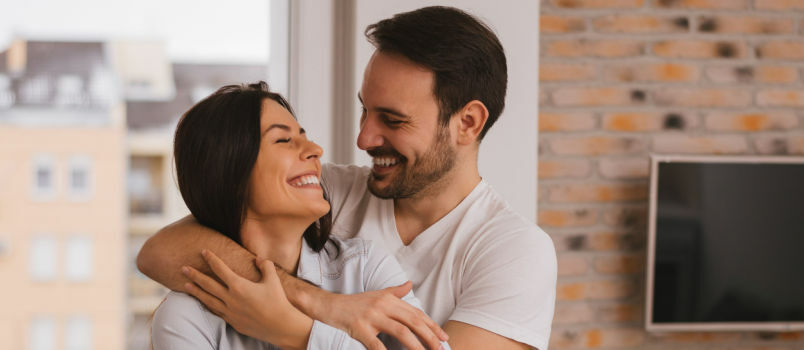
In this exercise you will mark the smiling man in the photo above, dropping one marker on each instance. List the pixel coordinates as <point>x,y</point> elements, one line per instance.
<point>432,89</point>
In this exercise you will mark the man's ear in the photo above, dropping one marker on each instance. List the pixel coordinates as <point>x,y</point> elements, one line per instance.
<point>470,121</point>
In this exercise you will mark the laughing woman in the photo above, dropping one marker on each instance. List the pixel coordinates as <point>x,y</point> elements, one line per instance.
<point>246,169</point>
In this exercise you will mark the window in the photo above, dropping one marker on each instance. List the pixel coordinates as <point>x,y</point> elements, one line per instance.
<point>43,257</point>
<point>42,333</point>
<point>145,189</point>
<point>78,333</point>
<point>44,186</point>
<point>79,258</point>
<point>80,181</point>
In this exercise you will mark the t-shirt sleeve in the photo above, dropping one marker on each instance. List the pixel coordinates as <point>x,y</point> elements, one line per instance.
<point>181,323</point>
<point>508,287</point>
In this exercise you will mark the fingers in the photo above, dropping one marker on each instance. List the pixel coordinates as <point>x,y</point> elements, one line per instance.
<point>370,341</point>
<point>206,283</point>
<point>426,333</point>
<point>212,303</point>
<point>267,269</point>
<point>401,290</point>
<point>219,267</point>
<point>401,333</point>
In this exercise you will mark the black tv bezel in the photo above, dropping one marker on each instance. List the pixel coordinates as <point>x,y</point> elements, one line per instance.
<point>651,326</point>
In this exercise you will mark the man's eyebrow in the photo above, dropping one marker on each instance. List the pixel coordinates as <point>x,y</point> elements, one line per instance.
<point>387,110</point>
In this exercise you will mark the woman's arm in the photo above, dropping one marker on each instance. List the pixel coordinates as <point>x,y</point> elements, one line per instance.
<point>180,244</point>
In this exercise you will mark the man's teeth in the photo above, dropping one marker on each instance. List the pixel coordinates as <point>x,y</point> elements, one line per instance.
<point>306,180</point>
<point>385,161</point>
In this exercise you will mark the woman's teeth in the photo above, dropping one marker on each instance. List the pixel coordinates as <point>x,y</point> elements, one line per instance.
<point>306,180</point>
<point>384,161</point>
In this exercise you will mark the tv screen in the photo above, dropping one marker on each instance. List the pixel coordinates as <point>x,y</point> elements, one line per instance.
<point>726,243</point>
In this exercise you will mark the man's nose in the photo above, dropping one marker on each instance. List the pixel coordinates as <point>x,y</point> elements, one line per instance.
<point>370,135</point>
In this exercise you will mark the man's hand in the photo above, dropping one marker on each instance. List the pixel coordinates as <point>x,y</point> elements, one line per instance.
<point>363,316</point>
<point>260,310</point>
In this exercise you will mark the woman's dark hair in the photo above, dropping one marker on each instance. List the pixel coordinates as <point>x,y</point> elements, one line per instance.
<point>465,56</point>
<point>215,147</point>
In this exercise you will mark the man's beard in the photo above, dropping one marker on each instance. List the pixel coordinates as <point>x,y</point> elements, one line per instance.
<point>410,179</point>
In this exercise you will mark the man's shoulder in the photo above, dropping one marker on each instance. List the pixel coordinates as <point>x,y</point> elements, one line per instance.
<point>335,172</point>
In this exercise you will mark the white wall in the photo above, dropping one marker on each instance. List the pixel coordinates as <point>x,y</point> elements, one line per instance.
<point>508,155</point>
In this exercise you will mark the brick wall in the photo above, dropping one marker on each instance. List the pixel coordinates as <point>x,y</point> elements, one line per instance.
<point>621,79</point>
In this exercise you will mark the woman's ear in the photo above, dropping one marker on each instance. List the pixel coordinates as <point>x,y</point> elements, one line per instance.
<point>470,121</point>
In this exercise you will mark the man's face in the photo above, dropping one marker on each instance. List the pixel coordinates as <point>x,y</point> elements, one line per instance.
<point>399,128</point>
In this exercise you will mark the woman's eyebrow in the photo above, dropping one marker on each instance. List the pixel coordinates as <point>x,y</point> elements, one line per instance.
<point>283,127</point>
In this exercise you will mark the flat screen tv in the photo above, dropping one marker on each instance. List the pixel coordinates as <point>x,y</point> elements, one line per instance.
<point>725,244</point>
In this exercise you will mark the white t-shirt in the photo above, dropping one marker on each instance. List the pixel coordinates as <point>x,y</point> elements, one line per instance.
<point>481,264</point>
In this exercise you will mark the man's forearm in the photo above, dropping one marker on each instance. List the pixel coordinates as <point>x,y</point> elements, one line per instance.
<point>180,244</point>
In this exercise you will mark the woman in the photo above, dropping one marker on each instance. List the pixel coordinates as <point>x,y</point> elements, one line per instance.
<point>246,169</point>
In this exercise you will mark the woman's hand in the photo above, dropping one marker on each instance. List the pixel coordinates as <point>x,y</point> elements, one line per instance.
<point>367,314</point>
<point>260,310</point>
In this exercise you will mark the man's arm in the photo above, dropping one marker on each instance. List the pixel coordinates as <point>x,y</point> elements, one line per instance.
<point>180,244</point>
<point>465,336</point>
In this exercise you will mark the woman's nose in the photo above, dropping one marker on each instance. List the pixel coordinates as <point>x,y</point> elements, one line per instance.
<point>312,150</point>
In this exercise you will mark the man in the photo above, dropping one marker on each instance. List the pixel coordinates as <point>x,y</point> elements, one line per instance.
<point>432,89</point>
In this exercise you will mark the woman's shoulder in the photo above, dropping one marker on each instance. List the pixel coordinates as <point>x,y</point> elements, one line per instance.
<point>180,310</point>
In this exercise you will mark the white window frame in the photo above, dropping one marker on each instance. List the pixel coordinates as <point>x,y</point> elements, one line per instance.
<point>42,333</point>
<point>78,333</point>
<point>48,273</point>
<point>40,193</point>
<point>78,247</point>
<point>85,163</point>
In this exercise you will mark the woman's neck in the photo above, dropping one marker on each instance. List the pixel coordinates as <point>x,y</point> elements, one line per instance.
<point>275,239</point>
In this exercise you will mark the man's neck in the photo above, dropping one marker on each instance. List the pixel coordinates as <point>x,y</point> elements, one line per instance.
<point>414,215</point>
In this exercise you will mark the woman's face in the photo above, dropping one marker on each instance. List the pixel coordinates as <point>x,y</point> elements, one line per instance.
<point>285,179</point>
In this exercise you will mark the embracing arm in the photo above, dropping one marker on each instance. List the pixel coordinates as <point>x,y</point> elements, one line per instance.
<point>180,244</point>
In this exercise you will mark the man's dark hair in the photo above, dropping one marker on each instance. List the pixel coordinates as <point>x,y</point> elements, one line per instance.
<point>215,147</point>
<point>466,57</point>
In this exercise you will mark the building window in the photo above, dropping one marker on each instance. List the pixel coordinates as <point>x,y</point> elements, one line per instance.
<point>44,181</point>
<point>80,177</point>
<point>43,257</point>
<point>79,258</point>
<point>42,333</point>
<point>145,185</point>
<point>78,333</point>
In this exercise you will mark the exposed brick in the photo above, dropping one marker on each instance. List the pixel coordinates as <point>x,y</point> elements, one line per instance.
<point>564,168</point>
<point>620,264</point>
<point>627,217</point>
<point>747,74</point>
<point>567,217</point>
<point>595,96</point>
<point>544,96</point>
<point>640,24</point>
<point>781,98</point>
<point>596,290</point>
<point>567,121</point>
<point>782,336</point>
<point>597,4</point>
<point>702,4</point>
<point>652,72</point>
<point>612,338</point>
<point>549,72</point>
<point>604,48</point>
<point>572,265</point>
<point>573,313</point>
<point>785,50</point>
<point>624,168</point>
<point>691,97</point>
<point>549,24</point>
<point>731,121</point>
<point>597,145</point>
<point>726,144</point>
<point>585,192</point>
<point>615,241</point>
<point>701,337</point>
<point>618,312</point>
<point>745,25</point>
<point>781,145</point>
<point>648,121</point>
<point>700,49</point>
<point>779,5</point>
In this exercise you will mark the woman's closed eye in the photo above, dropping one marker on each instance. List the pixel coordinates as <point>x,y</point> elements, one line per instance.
<point>286,140</point>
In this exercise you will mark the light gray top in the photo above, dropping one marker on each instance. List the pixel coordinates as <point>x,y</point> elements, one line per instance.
<point>182,322</point>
